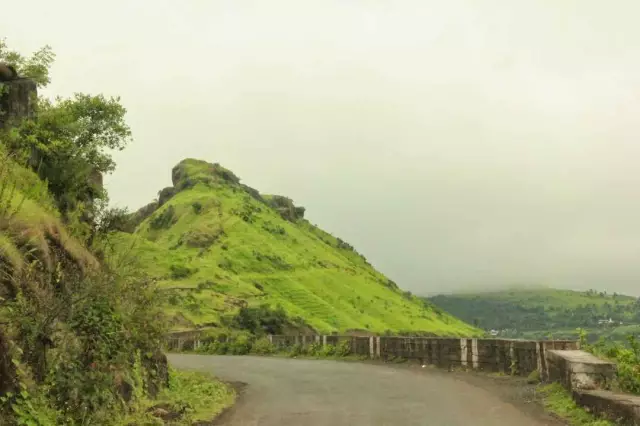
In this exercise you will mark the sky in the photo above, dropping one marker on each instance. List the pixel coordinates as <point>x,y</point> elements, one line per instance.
<point>459,144</point>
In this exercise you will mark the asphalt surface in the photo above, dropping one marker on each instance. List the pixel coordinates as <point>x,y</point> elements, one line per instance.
<point>294,392</point>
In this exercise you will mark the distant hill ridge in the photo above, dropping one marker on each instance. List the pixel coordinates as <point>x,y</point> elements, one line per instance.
<point>536,311</point>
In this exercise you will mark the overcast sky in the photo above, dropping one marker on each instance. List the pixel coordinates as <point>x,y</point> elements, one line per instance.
<point>457,144</point>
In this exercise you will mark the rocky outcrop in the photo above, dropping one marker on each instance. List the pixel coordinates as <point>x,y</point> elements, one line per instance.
<point>17,101</point>
<point>190,172</point>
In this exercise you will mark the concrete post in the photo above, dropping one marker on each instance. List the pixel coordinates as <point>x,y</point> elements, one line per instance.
<point>378,346</point>
<point>463,352</point>
<point>474,354</point>
<point>371,348</point>
<point>512,358</point>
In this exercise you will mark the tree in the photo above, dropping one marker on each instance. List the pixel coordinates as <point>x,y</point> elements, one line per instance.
<point>69,145</point>
<point>35,67</point>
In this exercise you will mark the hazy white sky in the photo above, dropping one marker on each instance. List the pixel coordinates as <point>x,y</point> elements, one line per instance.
<point>457,144</point>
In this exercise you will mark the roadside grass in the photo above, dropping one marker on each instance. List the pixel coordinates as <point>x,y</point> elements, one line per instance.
<point>558,401</point>
<point>192,397</point>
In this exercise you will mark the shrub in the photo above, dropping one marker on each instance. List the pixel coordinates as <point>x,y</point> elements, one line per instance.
<point>201,238</point>
<point>315,349</point>
<point>164,219</point>
<point>240,345</point>
<point>328,350</point>
<point>197,207</point>
<point>262,346</point>
<point>180,271</point>
<point>344,348</point>
<point>260,320</point>
<point>297,350</point>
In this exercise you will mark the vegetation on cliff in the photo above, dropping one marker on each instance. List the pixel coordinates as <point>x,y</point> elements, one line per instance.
<point>80,328</point>
<point>221,252</point>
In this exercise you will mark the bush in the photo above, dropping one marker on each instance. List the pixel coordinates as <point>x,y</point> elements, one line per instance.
<point>179,272</point>
<point>626,357</point>
<point>297,350</point>
<point>262,346</point>
<point>164,219</point>
<point>241,345</point>
<point>315,349</point>
<point>261,320</point>
<point>344,348</point>
<point>197,207</point>
<point>328,350</point>
<point>201,238</point>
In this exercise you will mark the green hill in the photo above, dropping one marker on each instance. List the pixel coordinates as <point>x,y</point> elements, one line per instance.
<point>545,312</point>
<point>216,245</point>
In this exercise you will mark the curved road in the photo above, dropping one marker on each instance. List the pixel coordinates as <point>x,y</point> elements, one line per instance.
<point>292,392</point>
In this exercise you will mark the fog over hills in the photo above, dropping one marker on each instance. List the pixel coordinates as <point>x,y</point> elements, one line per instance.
<point>458,145</point>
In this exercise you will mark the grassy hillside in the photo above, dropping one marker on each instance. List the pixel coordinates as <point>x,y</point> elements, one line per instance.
<point>544,312</point>
<point>217,245</point>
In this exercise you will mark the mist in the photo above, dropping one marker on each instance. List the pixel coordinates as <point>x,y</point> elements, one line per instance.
<point>458,145</point>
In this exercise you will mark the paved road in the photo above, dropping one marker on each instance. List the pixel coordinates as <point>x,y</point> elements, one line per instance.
<point>292,392</point>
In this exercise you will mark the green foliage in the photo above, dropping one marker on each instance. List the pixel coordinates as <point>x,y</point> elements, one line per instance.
<point>179,272</point>
<point>70,145</point>
<point>82,338</point>
<point>202,396</point>
<point>343,348</point>
<point>241,345</point>
<point>191,398</point>
<point>197,207</point>
<point>35,67</point>
<point>31,409</point>
<point>627,358</point>
<point>261,320</point>
<point>536,313</point>
<point>262,346</point>
<point>164,219</point>
<point>557,400</point>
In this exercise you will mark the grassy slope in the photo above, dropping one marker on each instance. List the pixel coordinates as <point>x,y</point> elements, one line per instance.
<point>268,259</point>
<point>498,309</point>
<point>29,222</point>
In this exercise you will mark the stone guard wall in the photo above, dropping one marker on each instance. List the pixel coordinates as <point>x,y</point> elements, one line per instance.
<point>496,355</point>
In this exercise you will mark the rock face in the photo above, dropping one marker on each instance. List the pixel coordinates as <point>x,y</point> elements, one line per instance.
<point>189,172</point>
<point>17,101</point>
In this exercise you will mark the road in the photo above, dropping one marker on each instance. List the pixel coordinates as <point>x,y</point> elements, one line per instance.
<point>293,392</point>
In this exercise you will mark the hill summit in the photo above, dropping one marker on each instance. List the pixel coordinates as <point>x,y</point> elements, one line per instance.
<point>217,245</point>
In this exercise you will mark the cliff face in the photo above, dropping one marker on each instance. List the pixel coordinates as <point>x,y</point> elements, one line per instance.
<point>17,101</point>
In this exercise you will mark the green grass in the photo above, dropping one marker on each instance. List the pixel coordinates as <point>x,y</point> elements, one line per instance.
<point>559,402</point>
<point>236,248</point>
<point>196,396</point>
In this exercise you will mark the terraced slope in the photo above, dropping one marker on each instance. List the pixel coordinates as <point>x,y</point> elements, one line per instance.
<point>216,244</point>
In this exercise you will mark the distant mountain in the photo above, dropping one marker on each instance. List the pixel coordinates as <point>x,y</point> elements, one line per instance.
<point>545,312</point>
<point>217,245</point>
